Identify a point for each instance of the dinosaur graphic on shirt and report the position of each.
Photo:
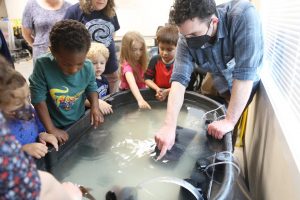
(62, 100)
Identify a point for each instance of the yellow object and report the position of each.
(241, 128)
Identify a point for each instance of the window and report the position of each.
(281, 72)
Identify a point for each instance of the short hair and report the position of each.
(70, 35)
(10, 80)
(167, 34)
(183, 10)
(87, 7)
(96, 49)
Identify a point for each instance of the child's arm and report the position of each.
(37, 150)
(105, 108)
(150, 83)
(96, 116)
(158, 90)
(43, 113)
(135, 90)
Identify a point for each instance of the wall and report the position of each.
(3, 12)
(141, 15)
(272, 170)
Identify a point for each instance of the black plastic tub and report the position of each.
(222, 190)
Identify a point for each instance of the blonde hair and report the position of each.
(127, 56)
(97, 49)
(87, 7)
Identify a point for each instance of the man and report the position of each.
(225, 41)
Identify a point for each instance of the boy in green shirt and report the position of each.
(61, 80)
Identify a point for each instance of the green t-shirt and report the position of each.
(64, 94)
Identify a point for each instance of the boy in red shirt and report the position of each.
(160, 66)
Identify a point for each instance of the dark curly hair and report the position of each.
(183, 10)
(70, 35)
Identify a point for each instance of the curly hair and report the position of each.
(87, 7)
(96, 50)
(183, 10)
(10, 80)
(70, 35)
(167, 34)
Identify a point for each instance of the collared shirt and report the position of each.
(237, 52)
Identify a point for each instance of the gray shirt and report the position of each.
(40, 21)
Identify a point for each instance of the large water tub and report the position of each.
(120, 152)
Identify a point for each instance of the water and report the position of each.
(119, 153)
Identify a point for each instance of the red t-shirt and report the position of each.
(159, 72)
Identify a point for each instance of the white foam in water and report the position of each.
(118, 153)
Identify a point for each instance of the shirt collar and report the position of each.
(221, 29)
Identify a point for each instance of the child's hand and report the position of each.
(50, 138)
(96, 117)
(164, 95)
(61, 135)
(105, 108)
(159, 94)
(143, 104)
(37, 150)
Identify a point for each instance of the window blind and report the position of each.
(281, 25)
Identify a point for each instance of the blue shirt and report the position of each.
(237, 52)
(101, 29)
(26, 131)
(103, 88)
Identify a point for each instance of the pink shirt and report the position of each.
(125, 67)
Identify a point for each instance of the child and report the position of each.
(62, 79)
(22, 119)
(160, 66)
(100, 18)
(99, 55)
(19, 176)
(133, 60)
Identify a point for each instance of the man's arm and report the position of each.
(165, 137)
(241, 91)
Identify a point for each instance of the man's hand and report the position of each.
(165, 139)
(218, 129)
